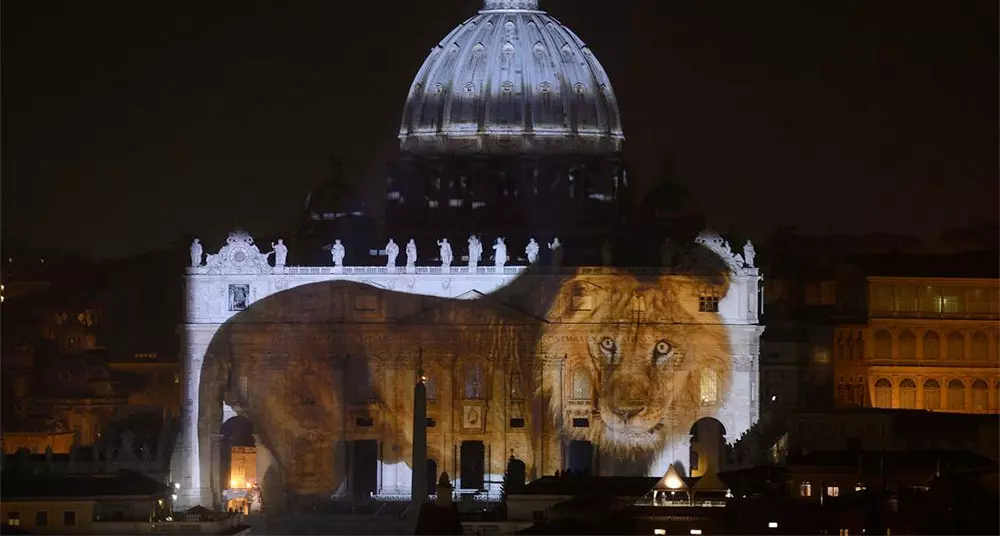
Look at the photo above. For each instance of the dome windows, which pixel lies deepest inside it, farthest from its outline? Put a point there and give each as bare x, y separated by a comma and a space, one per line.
567, 52
539, 50
508, 48
507, 87
478, 49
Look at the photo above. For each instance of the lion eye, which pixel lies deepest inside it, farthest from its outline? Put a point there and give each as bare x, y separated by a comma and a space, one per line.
608, 346
661, 350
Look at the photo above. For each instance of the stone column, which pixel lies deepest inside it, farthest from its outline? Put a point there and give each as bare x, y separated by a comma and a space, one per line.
216, 468
194, 489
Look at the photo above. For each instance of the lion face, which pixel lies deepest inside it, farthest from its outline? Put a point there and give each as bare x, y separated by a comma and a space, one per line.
640, 359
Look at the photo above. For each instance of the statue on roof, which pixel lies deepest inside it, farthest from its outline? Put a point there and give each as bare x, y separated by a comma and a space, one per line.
446, 253
411, 254
749, 254
500, 253
391, 252
531, 250
280, 253
475, 251
337, 253
557, 252
196, 253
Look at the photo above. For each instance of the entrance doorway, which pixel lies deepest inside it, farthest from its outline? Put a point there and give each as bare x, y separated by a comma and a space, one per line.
363, 469
432, 468
580, 457
473, 465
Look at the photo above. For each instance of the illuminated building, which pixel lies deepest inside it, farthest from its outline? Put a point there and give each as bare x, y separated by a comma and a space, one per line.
605, 367
928, 343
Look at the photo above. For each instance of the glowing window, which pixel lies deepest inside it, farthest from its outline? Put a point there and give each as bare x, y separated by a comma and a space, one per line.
980, 396
14, 519
860, 486
581, 384
883, 393
932, 394
709, 386
474, 381
907, 394
516, 389
833, 491
956, 395
708, 302
805, 489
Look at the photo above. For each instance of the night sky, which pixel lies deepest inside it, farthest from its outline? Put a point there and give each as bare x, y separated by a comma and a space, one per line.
129, 124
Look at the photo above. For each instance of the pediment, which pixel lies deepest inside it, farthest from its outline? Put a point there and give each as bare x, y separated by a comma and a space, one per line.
472, 307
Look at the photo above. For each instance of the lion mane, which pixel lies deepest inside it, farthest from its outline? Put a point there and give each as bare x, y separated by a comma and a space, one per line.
641, 362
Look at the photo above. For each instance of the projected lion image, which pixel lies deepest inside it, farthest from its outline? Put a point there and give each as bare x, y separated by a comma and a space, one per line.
646, 356
325, 372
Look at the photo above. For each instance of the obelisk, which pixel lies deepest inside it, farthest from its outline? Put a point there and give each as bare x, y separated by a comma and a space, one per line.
419, 464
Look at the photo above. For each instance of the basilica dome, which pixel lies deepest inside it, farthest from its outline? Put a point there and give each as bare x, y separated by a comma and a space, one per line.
511, 79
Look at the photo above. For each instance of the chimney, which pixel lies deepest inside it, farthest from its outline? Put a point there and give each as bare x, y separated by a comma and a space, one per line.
418, 486
444, 489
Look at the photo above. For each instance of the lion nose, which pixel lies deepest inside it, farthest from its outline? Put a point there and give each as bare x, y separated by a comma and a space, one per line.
626, 414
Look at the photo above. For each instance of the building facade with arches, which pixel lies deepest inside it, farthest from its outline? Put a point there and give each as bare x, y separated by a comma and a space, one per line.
929, 343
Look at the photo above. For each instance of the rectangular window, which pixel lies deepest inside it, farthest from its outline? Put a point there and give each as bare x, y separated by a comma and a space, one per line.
581, 423
364, 422
580, 300
41, 518
805, 489
833, 491
14, 519
69, 518
828, 293
517, 422
431, 423
708, 303
239, 297
365, 304
860, 486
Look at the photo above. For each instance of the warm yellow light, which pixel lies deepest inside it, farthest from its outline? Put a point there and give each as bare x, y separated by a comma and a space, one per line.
674, 482
772, 525
695, 532
659, 532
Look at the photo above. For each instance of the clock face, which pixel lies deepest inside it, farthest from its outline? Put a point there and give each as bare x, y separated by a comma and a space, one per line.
238, 255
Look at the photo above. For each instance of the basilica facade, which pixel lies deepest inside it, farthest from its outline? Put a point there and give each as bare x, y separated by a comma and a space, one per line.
543, 331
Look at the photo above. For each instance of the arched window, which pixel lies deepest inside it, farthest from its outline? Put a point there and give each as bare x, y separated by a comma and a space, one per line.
883, 393
883, 344
907, 394
709, 386
980, 346
932, 394
932, 345
474, 381
516, 387
581, 384
956, 346
956, 395
980, 396
907, 345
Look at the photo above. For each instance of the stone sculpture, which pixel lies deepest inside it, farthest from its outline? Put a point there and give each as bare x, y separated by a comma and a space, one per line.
557, 252
475, 251
391, 252
445, 253
196, 252
531, 250
280, 252
500, 253
606, 252
337, 252
239, 256
749, 254
411, 254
